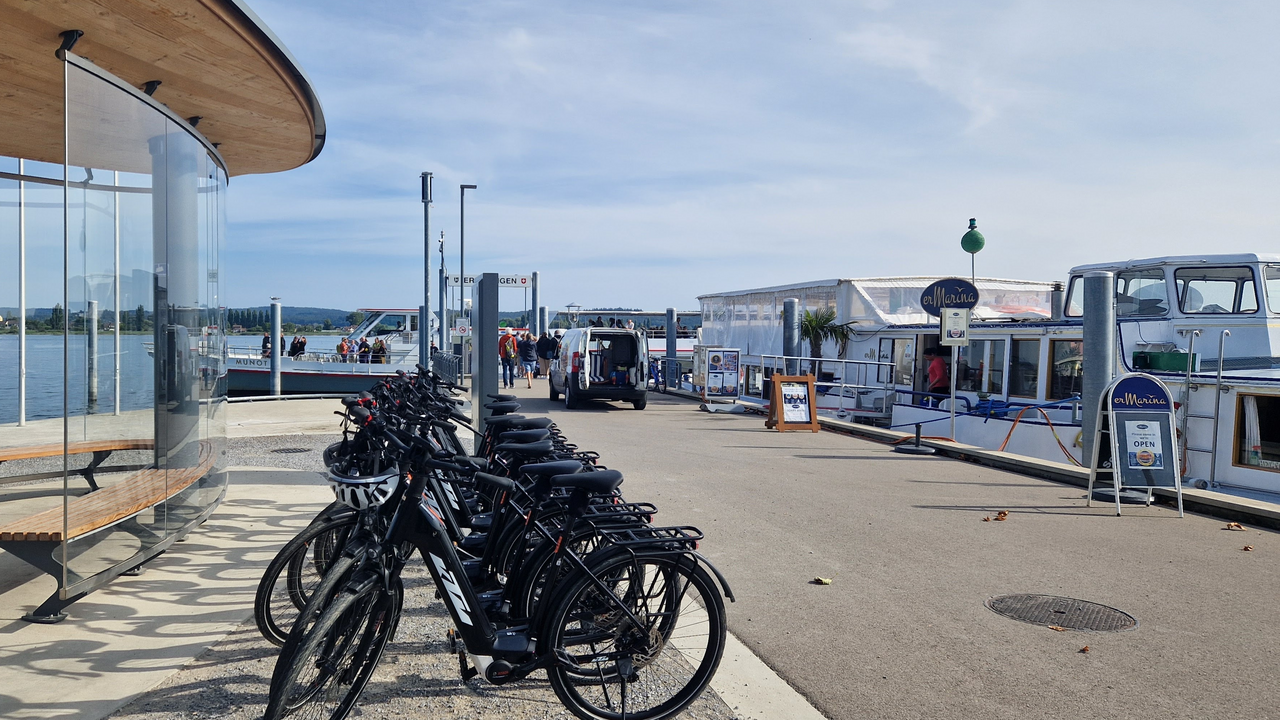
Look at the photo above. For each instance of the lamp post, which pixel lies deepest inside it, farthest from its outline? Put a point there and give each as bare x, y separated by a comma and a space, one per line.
424, 321
462, 260
444, 276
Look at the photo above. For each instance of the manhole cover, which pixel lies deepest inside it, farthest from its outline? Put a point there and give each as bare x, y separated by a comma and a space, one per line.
290, 451
1063, 612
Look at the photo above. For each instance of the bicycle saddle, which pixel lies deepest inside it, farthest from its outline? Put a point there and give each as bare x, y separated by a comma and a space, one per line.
598, 482
559, 468
503, 408
528, 450
524, 436
501, 397
528, 423
500, 422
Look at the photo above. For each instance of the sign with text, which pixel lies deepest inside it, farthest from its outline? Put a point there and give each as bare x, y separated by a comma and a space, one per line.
949, 293
719, 372
955, 327
793, 405
504, 281
1134, 442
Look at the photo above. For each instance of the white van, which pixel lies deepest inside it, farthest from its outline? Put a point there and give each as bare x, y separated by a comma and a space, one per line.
600, 363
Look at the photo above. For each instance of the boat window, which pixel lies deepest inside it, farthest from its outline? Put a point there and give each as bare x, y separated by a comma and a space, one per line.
981, 367
1216, 290
1075, 298
389, 324
1066, 373
1258, 432
1273, 287
1024, 368
1141, 293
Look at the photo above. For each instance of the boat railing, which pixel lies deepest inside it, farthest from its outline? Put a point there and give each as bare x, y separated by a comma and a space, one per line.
862, 387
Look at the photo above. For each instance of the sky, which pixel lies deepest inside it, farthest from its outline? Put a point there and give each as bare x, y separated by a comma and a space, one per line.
640, 154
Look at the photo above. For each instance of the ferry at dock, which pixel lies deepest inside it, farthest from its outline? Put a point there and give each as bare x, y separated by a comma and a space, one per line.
322, 369
1206, 325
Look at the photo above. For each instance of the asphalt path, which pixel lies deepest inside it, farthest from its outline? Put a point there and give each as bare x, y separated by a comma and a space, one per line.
902, 631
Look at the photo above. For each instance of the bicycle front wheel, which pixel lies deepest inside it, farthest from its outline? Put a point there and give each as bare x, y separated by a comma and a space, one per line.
334, 662
610, 668
293, 574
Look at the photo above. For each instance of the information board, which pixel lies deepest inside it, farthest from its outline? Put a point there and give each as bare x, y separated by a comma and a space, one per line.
955, 327
1133, 443
721, 374
792, 405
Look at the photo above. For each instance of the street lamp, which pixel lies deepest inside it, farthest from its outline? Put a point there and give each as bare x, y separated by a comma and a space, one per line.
424, 322
462, 259
572, 310
444, 314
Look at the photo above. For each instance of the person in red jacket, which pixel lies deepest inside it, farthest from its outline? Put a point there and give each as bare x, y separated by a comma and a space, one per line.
507, 353
939, 376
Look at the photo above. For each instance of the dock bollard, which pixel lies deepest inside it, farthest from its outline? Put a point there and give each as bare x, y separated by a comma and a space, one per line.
913, 449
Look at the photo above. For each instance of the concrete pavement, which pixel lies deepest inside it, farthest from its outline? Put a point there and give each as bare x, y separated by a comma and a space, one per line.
903, 632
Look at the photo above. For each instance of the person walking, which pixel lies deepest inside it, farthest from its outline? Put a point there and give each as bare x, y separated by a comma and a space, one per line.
528, 350
266, 344
939, 377
507, 353
546, 347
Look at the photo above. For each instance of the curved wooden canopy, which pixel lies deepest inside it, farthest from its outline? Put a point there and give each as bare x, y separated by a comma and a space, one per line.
214, 59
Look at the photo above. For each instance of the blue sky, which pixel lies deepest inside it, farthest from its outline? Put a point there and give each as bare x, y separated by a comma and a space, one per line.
639, 154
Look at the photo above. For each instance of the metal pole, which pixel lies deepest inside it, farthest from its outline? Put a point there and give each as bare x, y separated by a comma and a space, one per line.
791, 334
955, 358
115, 182
672, 361
276, 350
1099, 348
484, 378
1217, 409
91, 354
22, 297
542, 320
538, 326
424, 313
444, 315
462, 265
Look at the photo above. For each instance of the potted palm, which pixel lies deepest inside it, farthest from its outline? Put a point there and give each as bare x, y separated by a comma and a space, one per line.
817, 328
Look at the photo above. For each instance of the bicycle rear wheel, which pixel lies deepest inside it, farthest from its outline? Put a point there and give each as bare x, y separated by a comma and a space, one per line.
616, 669
335, 660
293, 574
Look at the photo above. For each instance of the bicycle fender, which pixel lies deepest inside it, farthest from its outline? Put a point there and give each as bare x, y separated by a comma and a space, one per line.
724, 584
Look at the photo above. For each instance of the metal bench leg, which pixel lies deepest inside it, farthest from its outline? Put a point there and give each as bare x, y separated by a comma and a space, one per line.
40, 553
99, 457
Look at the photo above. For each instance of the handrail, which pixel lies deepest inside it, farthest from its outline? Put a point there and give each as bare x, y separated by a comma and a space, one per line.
860, 367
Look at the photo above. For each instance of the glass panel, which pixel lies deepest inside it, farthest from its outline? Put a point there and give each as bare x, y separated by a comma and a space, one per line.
1075, 298
995, 367
903, 361
389, 324
1258, 432
1141, 293
1024, 360
1067, 369
1216, 290
1273, 287
981, 359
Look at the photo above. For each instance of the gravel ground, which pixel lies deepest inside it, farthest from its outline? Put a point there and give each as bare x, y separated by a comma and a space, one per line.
416, 678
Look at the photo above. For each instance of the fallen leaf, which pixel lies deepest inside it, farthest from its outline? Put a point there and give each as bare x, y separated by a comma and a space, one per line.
1057, 628
1084, 649
1003, 514
1247, 548
820, 581
1000, 518
986, 519
1234, 526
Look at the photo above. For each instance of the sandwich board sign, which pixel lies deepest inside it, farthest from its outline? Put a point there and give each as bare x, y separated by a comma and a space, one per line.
717, 370
792, 404
1133, 441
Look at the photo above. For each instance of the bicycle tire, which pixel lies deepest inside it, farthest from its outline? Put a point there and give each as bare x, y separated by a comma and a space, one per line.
662, 667
325, 592
333, 664
294, 572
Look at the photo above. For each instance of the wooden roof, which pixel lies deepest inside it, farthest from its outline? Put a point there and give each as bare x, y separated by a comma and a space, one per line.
214, 58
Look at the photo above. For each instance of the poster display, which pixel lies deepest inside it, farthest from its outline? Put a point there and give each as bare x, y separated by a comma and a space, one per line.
792, 403
955, 327
722, 374
795, 402
1133, 443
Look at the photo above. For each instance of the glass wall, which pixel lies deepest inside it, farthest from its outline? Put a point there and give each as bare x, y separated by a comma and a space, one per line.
124, 349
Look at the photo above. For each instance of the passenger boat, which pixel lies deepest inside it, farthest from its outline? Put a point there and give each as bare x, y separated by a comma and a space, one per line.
1207, 325
322, 370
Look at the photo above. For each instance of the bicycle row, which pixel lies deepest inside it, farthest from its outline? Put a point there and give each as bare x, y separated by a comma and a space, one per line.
540, 561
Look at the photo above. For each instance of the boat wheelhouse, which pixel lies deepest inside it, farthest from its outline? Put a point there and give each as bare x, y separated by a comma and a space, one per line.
1018, 381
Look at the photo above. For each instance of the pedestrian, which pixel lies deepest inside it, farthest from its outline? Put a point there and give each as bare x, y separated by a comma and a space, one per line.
939, 377
266, 344
631, 324
344, 349
302, 345
378, 353
434, 349
281, 345
528, 350
546, 348
363, 350
507, 353
293, 347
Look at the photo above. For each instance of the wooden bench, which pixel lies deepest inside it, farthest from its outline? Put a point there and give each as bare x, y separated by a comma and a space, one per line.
101, 450
36, 538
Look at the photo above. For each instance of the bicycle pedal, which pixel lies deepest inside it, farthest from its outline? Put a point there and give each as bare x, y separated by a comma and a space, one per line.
465, 668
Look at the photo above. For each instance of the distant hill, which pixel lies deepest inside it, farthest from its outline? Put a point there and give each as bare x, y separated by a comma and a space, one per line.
306, 315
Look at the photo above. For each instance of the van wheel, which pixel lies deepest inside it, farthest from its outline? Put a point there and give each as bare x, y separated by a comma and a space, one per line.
570, 401
639, 404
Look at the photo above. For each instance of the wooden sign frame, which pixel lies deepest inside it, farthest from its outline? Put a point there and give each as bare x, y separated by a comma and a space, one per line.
777, 416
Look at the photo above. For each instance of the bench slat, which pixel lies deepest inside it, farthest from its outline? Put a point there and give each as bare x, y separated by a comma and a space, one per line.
75, 448
130, 496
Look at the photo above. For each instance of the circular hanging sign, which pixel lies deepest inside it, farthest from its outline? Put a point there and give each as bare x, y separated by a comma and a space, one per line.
948, 293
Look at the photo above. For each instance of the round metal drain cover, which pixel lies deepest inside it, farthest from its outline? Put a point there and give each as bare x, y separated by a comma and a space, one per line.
1063, 612
290, 451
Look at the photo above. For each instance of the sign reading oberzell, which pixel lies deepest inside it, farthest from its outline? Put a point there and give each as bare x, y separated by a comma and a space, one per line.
948, 293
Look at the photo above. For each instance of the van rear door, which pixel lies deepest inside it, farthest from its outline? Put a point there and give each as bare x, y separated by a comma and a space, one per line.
642, 362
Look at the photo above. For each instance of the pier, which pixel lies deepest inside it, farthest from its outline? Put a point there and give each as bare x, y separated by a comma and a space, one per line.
902, 631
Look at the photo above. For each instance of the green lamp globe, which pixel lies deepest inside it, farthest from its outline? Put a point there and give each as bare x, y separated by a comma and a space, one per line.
972, 241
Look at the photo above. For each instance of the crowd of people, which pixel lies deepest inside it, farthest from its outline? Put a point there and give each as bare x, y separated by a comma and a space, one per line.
613, 323
524, 356
363, 351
